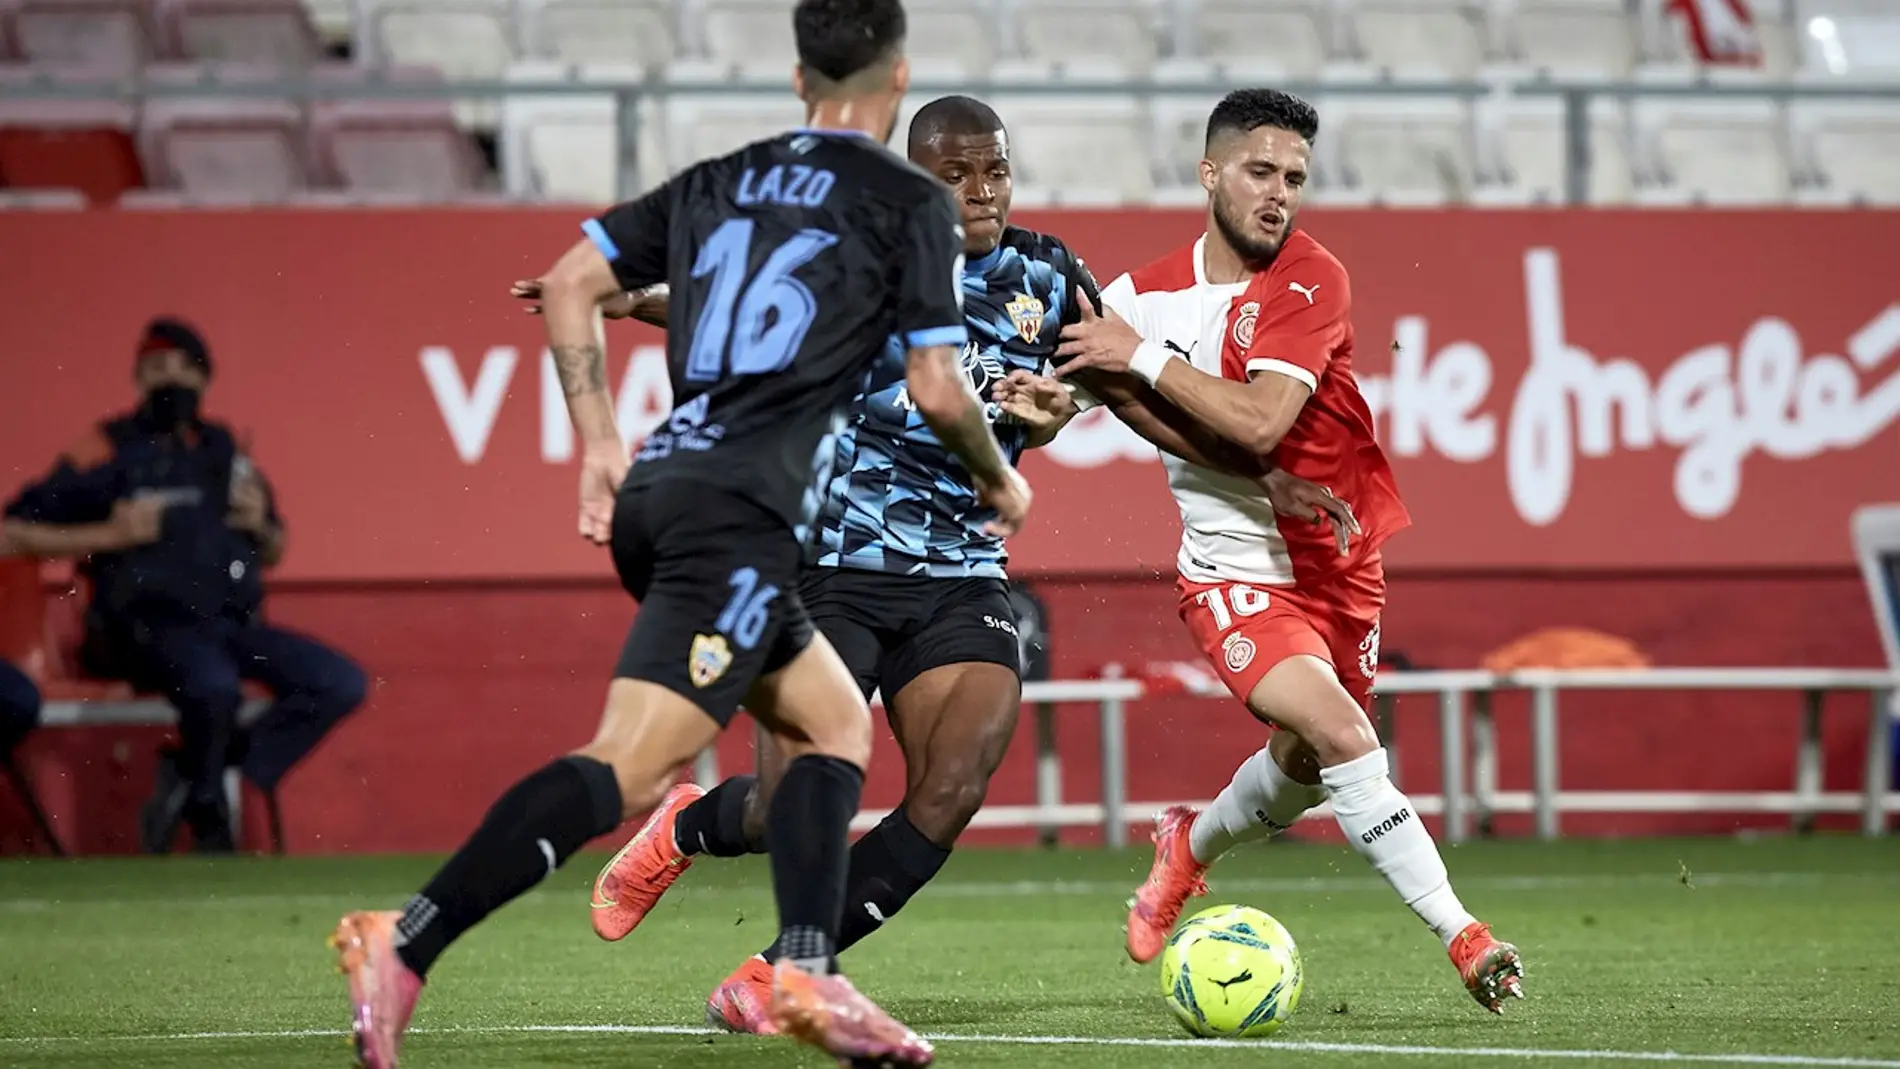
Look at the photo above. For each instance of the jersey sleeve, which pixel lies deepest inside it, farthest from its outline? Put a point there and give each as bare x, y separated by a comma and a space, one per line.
930, 275
1078, 283
1302, 325
633, 237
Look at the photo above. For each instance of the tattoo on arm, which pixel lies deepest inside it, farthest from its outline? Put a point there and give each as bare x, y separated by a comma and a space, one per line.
582, 368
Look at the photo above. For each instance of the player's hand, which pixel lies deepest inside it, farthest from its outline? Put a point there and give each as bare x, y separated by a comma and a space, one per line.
1103, 341
619, 306
603, 469
1009, 497
1291, 495
1036, 401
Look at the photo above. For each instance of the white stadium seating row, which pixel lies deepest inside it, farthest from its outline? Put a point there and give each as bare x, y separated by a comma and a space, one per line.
1508, 146
1110, 149
1299, 39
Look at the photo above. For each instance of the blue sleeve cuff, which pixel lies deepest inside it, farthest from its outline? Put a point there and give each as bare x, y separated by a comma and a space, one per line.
598, 235
923, 339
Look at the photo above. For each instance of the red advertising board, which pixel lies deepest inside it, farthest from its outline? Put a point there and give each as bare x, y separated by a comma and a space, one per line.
1567, 389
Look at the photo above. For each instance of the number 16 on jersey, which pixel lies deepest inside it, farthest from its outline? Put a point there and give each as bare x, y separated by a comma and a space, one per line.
755, 326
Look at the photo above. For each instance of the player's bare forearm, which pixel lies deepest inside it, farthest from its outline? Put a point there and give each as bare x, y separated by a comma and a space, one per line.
942, 394
1254, 415
1166, 427
1170, 430
571, 295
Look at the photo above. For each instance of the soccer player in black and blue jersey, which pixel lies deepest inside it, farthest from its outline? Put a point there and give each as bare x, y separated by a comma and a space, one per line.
906, 581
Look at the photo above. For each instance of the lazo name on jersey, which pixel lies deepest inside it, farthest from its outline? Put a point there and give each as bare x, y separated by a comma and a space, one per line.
985, 369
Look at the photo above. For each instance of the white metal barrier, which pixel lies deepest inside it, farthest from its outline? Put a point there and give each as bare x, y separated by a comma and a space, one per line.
1461, 798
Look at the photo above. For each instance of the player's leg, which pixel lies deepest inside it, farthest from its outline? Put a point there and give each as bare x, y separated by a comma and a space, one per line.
822, 725
730, 819
647, 735
953, 691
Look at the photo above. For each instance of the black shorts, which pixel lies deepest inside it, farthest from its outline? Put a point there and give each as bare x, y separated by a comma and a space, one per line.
716, 577
890, 629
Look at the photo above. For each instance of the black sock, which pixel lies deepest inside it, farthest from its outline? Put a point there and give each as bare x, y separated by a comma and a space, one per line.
807, 826
888, 865
531, 831
715, 824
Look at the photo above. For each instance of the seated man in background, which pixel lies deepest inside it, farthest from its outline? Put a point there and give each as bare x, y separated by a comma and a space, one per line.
178, 526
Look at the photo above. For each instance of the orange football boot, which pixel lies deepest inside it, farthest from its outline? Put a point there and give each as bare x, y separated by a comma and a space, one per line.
828, 1013
633, 881
1175, 878
1490, 967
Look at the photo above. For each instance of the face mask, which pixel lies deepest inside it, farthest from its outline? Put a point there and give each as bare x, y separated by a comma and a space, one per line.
169, 406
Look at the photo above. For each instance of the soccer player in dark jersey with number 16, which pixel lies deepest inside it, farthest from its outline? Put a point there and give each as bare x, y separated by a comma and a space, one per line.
789, 264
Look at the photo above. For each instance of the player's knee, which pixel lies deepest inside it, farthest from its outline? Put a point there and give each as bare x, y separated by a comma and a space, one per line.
942, 804
845, 735
1295, 757
1336, 740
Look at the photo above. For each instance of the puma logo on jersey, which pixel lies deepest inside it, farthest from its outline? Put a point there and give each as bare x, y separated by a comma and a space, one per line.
1303, 291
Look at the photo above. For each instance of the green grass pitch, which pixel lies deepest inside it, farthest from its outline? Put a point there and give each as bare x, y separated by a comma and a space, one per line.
1773, 951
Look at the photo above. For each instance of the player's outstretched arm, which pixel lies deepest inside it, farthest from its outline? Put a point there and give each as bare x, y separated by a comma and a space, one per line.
938, 387
1254, 415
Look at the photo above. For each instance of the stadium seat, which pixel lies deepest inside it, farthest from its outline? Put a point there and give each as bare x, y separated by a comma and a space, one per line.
222, 145
1090, 147
1126, 32
85, 145
754, 35
1411, 151
641, 32
700, 125
955, 36
464, 39
1429, 38
1852, 148
1574, 38
118, 34
567, 147
274, 32
1301, 36
1715, 152
1524, 151
397, 145
1857, 39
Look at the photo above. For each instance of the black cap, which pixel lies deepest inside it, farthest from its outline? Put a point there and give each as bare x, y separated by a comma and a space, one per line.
164, 334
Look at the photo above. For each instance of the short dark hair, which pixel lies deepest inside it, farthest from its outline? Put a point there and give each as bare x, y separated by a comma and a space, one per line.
841, 38
956, 116
1246, 110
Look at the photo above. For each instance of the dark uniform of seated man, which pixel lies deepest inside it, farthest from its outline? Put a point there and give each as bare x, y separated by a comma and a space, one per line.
19, 706
177, 526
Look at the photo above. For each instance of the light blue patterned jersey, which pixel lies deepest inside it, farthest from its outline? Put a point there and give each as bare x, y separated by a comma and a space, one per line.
898, 501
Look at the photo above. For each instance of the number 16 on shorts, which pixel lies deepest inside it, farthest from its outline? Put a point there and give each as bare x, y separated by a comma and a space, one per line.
1223, 605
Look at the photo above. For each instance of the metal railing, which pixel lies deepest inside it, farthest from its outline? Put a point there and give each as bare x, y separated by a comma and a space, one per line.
629, 93
1462, 800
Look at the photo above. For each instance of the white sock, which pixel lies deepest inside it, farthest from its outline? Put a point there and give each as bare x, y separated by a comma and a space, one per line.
1380, 823
1260, 802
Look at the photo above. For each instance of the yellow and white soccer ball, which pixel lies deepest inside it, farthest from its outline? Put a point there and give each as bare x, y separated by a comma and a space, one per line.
1231, 972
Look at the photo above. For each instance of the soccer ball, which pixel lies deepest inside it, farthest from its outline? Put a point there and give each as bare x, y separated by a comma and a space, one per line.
1232, 972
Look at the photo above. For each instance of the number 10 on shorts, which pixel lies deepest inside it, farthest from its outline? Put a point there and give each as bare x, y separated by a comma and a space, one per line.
1227, 603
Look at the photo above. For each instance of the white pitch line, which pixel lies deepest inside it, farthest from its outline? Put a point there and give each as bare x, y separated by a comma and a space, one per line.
1056, 889
1303, 1046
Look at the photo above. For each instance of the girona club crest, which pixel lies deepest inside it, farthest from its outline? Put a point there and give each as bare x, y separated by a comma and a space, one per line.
1243, 324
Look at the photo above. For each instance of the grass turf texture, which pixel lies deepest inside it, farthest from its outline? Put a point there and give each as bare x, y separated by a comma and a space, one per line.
1716, 948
